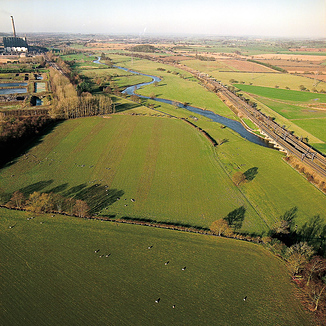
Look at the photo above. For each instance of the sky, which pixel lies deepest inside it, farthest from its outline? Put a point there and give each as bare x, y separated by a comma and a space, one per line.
268, 18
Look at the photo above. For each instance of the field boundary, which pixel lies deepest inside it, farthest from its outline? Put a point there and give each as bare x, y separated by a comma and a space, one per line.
153, 223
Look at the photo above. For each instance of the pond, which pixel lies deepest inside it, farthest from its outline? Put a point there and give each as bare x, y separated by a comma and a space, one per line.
39, 87
13, 91
12, 84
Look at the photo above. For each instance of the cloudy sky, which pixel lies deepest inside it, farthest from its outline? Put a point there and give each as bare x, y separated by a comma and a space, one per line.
288, 18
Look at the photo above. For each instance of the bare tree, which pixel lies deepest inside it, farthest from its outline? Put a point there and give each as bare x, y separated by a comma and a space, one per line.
298, 255
238, 178
81, 208
16, 199
221, 227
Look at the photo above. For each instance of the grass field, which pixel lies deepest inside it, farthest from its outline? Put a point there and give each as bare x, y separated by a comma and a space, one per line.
283, 94
50, 275
164, 164
168, 167
315, 126
221, 71
173, 87
297, 110
268, 80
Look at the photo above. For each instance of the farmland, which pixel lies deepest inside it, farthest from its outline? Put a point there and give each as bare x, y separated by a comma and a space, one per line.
167, 166
51, 275
303, 111
146, 162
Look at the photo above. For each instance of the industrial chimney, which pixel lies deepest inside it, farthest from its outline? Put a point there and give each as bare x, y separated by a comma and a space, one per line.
13, 25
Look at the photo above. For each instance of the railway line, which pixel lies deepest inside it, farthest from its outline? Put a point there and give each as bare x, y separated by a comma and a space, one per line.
276, 133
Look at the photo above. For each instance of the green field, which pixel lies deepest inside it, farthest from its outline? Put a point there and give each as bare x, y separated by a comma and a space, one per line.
220, 71
50, 275
283, 94
315, 126
175, 88
297, 110
163, 163
168, 167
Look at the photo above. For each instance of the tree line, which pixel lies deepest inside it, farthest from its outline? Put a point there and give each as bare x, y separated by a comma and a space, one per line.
68, 103
15, 129
38, 202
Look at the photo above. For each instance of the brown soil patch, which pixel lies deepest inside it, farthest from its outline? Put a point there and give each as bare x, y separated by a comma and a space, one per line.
304, 57
243, 65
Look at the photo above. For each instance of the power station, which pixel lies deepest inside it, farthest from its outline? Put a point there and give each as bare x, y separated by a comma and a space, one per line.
14, 43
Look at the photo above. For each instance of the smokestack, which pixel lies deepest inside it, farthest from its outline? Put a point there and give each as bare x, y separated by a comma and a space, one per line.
13, 25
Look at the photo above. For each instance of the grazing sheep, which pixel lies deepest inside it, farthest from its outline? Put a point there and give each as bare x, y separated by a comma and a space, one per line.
107, 256
183, 268
166, 262
96, 251
133, 200
101, 256
245, 298
150, 247
173, 306
158, 300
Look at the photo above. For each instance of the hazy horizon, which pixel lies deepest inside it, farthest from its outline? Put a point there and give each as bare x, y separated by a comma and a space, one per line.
269, 18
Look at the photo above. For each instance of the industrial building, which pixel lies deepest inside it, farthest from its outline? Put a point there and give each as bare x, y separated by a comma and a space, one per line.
14, 43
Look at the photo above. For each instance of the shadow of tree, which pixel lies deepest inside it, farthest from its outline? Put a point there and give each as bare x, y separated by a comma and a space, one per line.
37, 186
223, 141
314, 233
17, 147
98, 197
74, 190
251, 173
125, 106
290, 215
59, 188
236, 217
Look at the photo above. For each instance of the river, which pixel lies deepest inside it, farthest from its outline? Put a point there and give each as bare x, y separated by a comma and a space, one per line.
232, 124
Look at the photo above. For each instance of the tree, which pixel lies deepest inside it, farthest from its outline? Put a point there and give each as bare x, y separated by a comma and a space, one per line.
298, 255
285, 221
238, 177
83, 87
221, 227
314, 268
281, 226
39, 202
58, 202
317, 292
69, 205
16, 199
81, 208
